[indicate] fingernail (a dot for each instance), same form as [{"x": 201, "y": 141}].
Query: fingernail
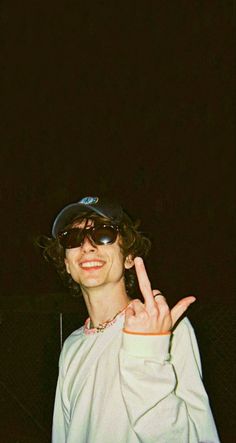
[{"x": 139, "y": 259}]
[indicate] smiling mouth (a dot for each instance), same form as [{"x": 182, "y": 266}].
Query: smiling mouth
[{"x": 88, "y": 265}]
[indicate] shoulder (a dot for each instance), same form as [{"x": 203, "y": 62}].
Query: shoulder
[
  {"x": 72, "y": 341},
  {"x": 184, "y": 332},
  {"x": 183, "y": 328},
  {"x": 184, "y": 343}
]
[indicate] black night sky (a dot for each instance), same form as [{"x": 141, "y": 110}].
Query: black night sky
[{"x": 132, "y": 101}]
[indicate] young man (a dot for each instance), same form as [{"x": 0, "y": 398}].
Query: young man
[{"x": 130, "y": 374}]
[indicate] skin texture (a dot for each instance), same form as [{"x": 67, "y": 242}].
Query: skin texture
[{"x": 104, "y": 292}]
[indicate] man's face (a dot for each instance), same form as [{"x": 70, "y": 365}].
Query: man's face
[{"x": 93, "y": 265}]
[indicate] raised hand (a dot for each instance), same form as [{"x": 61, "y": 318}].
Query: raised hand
[{"x": 153, "y": 316}]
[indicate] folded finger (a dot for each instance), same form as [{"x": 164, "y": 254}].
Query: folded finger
[
  {"x": 137, "y": 306},
  {"x": 156, "y": 292}
]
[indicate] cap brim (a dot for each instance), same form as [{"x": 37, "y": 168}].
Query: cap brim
[{"x": 69, "y": 212}]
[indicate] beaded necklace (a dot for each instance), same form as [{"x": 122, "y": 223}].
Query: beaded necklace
[{"x": 101, "y": 326}]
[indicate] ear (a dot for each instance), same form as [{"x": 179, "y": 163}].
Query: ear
[
  {"x": 67, "y": 265},
  {"x": 129, "y": 262}
]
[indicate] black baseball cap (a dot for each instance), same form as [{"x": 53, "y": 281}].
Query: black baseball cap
[{"x": 101, "y": 206}]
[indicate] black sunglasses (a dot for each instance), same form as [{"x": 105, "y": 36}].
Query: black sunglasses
[{"x": 99, "y": 235}]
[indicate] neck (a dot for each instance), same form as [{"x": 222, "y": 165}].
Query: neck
[{"x": 103, "y": 303}]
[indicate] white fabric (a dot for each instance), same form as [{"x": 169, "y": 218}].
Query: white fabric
[{"x": 115, "y": 387}]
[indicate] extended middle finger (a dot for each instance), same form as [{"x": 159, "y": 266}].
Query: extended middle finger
[{"x": 144, "y": 282}]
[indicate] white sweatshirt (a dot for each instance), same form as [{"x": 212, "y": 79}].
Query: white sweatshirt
[{"x": 115, "y": 387}]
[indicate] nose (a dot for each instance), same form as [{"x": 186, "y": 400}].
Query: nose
[{"x": 87, "y": 246}]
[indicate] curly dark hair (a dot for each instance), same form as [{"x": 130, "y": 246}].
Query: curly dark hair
[{"x": 132, "y": 242}]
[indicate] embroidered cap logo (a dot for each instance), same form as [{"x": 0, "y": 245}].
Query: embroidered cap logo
[{"x": 89, "y": 200}]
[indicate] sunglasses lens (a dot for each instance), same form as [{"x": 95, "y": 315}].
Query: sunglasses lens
[
  {"x": 100, "y": 235},
  {"x": 104, "y": 235},
  {"x": 71, "y": 238}
]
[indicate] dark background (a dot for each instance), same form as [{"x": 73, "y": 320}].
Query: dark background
[{"x": 132, "y": 100}]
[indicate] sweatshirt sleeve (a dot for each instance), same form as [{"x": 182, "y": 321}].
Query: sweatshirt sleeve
[
  {"x": 162, "y": 388},
  {"x": 60, "y": 413}
]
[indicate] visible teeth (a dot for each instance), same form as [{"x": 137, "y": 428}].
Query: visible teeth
[{"x": 91, "y": 264}]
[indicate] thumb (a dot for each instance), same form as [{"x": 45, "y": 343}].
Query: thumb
[{"x": 180, "y": 308}]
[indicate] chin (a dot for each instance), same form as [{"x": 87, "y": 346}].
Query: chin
[{"x": 90, "y": 283}]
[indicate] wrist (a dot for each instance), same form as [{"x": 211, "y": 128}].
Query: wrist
[{"x": 147, "y": 345}]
